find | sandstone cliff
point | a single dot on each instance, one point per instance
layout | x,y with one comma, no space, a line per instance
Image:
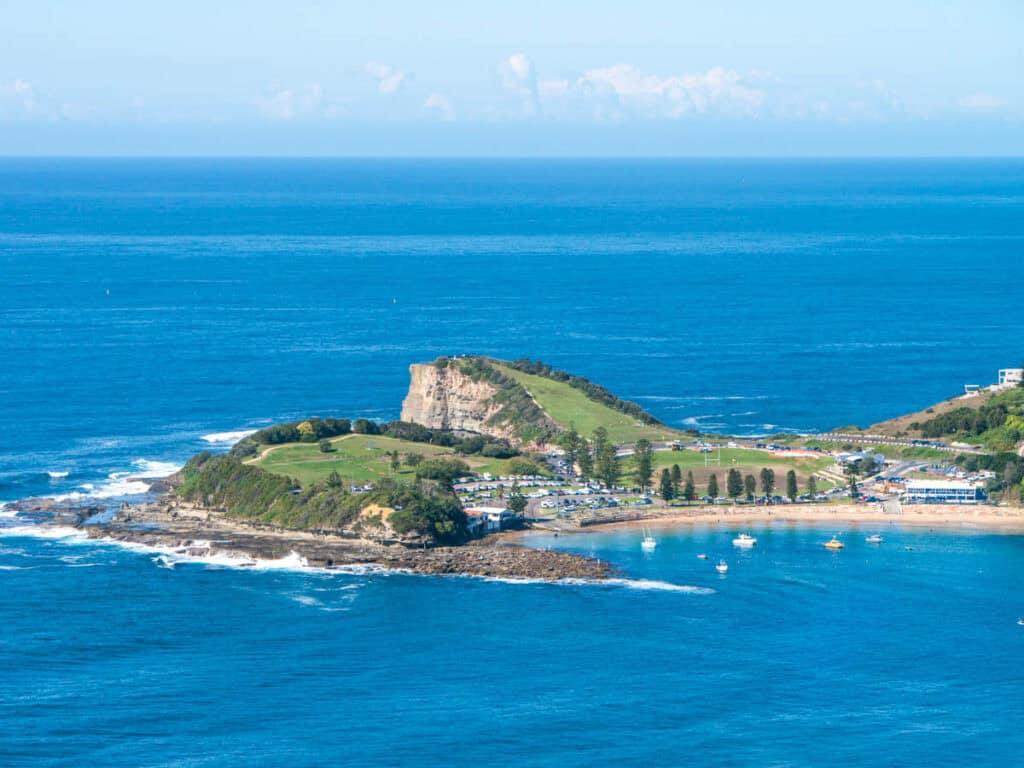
473,396
445,398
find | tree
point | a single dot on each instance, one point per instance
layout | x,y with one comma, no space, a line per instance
334,479
608,466
690,490
677,478
713,486
517,501
750,487
396,461
792,489
570,442
585,458
644,458
734,484
667,492
812,486
412,459
767,482
597,443
325,446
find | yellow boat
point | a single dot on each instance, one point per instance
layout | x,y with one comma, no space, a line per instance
834,544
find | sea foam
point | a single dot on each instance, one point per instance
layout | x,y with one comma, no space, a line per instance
223,438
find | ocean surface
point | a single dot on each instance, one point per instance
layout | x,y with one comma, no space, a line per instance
150,309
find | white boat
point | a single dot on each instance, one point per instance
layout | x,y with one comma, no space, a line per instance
702,557
649,542
874,539
722,567
744,540
1020,621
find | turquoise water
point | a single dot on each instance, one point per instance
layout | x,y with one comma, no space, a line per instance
149,309
875,655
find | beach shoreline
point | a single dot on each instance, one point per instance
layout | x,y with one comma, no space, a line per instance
952,518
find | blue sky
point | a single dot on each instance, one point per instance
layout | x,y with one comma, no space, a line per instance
514,78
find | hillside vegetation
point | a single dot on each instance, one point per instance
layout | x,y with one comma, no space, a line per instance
998,424
572,406
248,492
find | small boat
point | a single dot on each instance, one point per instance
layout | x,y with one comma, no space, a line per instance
744,540
874,539
702,557
722,567
1020,621
649,542
834,544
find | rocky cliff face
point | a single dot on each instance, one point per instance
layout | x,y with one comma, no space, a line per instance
445,398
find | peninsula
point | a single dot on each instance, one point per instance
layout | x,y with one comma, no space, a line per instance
485,447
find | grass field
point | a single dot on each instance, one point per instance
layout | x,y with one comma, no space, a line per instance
360,459
747,461
570,407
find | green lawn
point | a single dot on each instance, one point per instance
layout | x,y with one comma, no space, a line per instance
570,407
747,461
360,459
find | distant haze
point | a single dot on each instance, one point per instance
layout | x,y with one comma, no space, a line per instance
571,78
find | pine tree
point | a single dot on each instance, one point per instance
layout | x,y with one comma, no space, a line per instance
767,482
677,478
644,464
608,466
667,492
585,458
792,489
750,486
690,490
713,486
812,487
734,483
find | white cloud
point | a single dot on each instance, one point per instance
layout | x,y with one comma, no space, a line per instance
519,78
440,106
718,90
981,102
286,103
389,79
25,95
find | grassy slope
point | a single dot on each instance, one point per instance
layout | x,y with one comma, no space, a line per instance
901,424
359,459
747,461
569,406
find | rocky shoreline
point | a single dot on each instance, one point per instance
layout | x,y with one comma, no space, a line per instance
189,531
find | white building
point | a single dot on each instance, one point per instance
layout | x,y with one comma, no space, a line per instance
1010,377
491,519
941,492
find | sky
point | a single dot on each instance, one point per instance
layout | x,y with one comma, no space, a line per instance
523,78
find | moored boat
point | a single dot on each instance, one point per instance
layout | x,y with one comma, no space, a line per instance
874,539
834,544
744,540
722,567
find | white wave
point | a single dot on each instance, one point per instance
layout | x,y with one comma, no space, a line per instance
4,512
58,475
648,584
11,568
643,584
153,469
58,532
306,600
220,438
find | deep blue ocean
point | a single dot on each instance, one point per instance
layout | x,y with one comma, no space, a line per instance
151,308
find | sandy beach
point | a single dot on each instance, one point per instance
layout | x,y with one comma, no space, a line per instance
1009,520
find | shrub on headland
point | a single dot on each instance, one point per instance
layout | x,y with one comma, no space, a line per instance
248,492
